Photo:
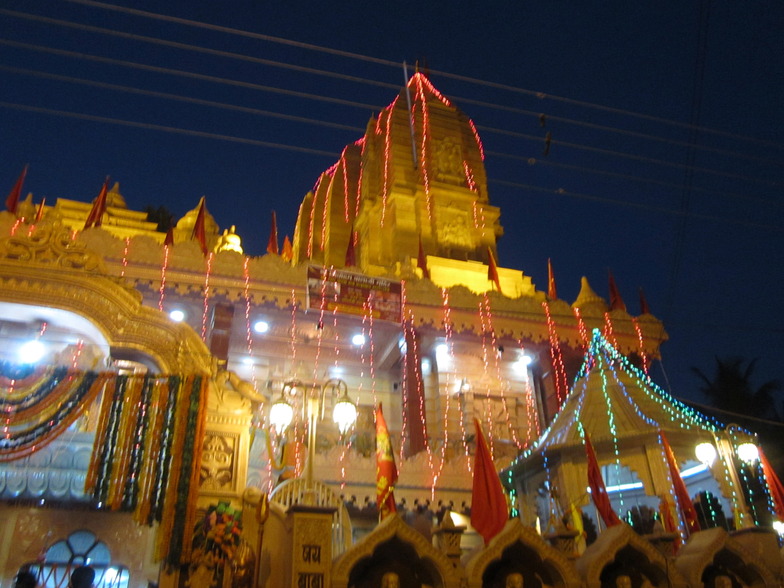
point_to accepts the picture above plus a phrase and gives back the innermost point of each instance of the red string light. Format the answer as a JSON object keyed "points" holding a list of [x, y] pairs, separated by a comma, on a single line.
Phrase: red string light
{"points": [[485, 377], [207, 274], [387, 159], [125, 256], [643, 355], [581, 328], [425, 140], [609, 333], [164, 266], [15, 226], [556, 357], [478, 140], [248, 334]]}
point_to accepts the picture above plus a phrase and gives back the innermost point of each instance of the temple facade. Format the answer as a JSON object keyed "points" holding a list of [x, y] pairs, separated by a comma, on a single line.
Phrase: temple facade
{"points": [[146, 438]]}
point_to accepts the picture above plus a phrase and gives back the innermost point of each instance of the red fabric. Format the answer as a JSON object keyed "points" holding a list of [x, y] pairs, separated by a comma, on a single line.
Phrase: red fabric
{"points": [[616, 302], [644, 308], [288, 251], [492, 270], [413, 388], [489, 511], [552, 291], [598, 490], [39, 214], [351, 254], [681, 493], [386, 471], [272, 242], [13, 196], [422, 261], [665, 510], [199, 227], [169, 240], [775, 487], [95, 218]]}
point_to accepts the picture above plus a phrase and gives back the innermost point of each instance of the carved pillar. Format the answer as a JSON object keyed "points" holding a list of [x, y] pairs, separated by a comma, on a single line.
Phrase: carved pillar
{"points": [[311, 546]]}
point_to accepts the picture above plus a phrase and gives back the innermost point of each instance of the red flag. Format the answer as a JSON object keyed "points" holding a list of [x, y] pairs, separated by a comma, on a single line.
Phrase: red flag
{"points": [[169, 240], [492, 270], [489, 511], [272, 242], [95, 218], [13, 196], [199, 228], [39, 214], [351, 254], [598, 490], [386, 471], [681, 493], [288, 250], [552, 292], [422, 260], [644, 308], [616, 302], [775, 487]]}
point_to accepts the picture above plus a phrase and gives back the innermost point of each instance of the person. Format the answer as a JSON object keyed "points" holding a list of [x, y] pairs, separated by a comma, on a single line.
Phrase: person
{"points": [[514, 580], [25, 579], [82, 577], [390, 580]]}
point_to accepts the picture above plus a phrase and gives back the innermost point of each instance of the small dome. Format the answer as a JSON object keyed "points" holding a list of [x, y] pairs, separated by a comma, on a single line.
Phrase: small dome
{"points": [[188, 221], [588, 298], [229, 241], [114, 199]]}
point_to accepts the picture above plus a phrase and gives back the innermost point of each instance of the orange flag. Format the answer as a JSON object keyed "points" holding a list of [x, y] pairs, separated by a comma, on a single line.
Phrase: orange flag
{"points": [[386, 471], [288, 250], [95, 218], [351, 253], [681, 493], [492, 270], [489, 511], [552, 292], [272, 242], [775, 487], [169, 239], [422, 260], [616, 302], [13, 196], [199, 228], [598, 489], [39, 214]]}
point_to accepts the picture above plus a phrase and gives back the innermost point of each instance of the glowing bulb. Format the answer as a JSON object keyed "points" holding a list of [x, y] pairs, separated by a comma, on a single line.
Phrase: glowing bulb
{"points": [[358, 340], [778, 526], [442, 350], [281, 415], [261, 326], [32, 351], [426, 366], [344, 414], [177, 316], [748, 452], [706, 453]]}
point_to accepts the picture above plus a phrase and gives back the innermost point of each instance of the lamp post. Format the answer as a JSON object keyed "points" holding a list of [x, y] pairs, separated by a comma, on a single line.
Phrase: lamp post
{"points": [[344, 412]]}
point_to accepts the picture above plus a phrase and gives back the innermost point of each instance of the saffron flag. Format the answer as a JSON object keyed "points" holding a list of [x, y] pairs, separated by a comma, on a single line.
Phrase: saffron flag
{"points": [[422, 260], [351, 255], [489, 511], [552, 292], [169, 240], [644, 308], [272, 242], [684, 501], [288, 250], [13, 196], [199, 227], [386, 471], [39, 214], [598, 490], [95, 218], [775, 488], [492, 270], [616, 302]]}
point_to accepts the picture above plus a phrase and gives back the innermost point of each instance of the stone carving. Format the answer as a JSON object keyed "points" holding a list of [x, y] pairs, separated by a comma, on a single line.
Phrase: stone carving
{"points": [[217, 462], [52, 245], [448, 159]]}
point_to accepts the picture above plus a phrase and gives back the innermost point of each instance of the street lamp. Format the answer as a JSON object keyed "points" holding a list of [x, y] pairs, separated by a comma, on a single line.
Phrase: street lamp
{"points": [[344, 412]]}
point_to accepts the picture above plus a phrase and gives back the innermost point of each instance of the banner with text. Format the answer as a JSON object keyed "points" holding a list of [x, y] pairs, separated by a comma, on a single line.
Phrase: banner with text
{"points": [[348, 293]]}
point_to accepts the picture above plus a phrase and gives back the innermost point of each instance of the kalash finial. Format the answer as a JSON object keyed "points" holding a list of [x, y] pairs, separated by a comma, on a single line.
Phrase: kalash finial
{"points": [[229, 241]]}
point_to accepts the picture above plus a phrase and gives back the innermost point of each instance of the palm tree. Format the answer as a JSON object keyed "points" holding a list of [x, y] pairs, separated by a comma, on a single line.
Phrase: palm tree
{"points": [[731, 389]]}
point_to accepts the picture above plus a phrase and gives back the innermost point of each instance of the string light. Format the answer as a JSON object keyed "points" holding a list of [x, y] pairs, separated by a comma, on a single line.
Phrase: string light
{"points": [[609, 334], [125, 256], [207, 274], [362, 143], [344, 169], [164, 266], [325, 210], [581, 328], [643, 355], [15, 226], [469, 176], [424, 143], [556, 357], [248, 334], [477, 139], [387, 159]]}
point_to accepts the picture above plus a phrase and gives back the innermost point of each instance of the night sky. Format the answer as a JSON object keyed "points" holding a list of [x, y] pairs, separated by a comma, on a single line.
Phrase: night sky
{"points": [[665, 162]]}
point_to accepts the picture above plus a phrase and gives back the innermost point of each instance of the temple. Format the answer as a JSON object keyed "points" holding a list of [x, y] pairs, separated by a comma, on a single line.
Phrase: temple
{"points": [[315, 416]]}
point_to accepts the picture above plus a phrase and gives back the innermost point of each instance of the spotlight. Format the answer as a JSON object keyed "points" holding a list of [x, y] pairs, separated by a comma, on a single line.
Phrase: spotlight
{"points": [[261, 326], [177, 315]]}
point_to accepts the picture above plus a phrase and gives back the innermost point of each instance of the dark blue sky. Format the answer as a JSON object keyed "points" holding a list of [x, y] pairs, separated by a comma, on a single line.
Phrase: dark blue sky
{"points": [[692, 215]]}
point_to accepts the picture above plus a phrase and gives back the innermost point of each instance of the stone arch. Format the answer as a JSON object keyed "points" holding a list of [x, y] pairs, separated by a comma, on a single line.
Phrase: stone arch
{"points": [[714, 552], [49, 269], [394, 546], [520, 549], [620, 551]]}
